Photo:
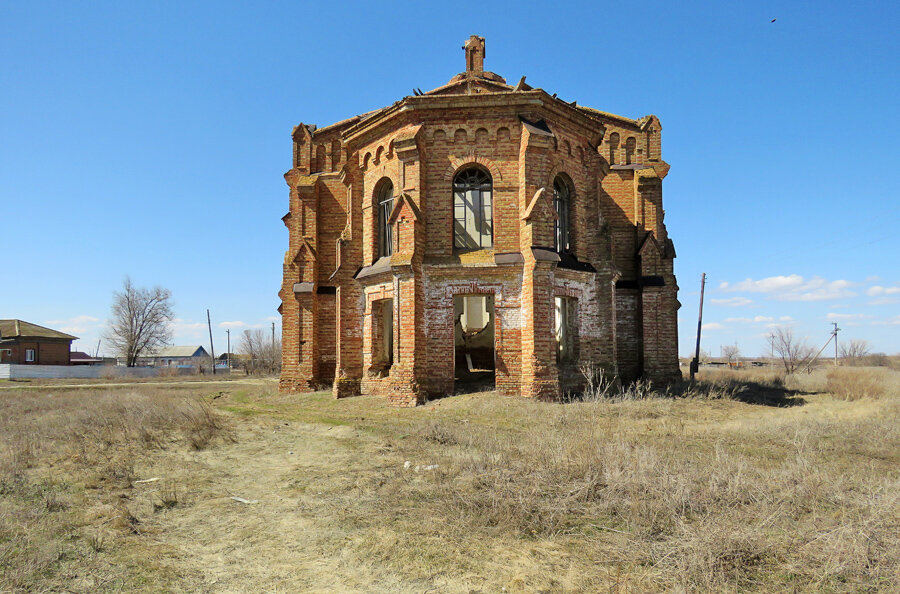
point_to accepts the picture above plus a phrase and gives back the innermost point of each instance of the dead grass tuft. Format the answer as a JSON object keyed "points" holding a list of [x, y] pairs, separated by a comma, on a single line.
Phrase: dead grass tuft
{"points": [[59, 448], [853, 383]]}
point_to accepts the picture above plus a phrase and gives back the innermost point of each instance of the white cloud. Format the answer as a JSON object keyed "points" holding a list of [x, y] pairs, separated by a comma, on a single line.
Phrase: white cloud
{"points": [[878, 291], [714, 326], [872, 279], [894, 321], [840, 316], [77, 325], [756, 320], [235, 324], [765, 285], [793, 287], [182, 329], [732, 301], [885, 301], [786, 319]]}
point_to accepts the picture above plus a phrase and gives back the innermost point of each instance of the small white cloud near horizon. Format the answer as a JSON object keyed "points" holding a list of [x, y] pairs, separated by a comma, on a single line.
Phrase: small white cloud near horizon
{"points": [[885, 301], [839, 316], [793, 287], [879, 291], [77, 325], [893, 321], [714, 326], [732, 301], [765, 285], [754, 320]]}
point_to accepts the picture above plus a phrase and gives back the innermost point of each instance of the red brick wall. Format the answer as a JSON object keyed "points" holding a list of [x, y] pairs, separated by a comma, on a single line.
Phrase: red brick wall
{"points": [[45, 353], [328, 337]]}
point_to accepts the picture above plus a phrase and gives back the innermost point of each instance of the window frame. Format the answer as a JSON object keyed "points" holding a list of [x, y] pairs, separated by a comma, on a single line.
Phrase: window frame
{"points": [[33, 353], [473, 191], [562, 226], [384, 203]]}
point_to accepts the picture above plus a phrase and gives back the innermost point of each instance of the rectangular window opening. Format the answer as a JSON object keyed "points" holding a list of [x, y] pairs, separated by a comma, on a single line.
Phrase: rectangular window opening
{"points": [[383, 334], [565, 329], [29, 355]]}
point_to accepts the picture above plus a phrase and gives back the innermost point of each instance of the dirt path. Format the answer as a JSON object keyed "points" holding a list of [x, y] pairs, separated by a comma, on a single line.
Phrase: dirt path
{"points": [[288, 540]]}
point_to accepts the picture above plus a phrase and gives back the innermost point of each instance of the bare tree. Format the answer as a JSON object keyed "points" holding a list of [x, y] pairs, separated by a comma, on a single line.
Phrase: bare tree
{"points": [[140, 320], [855, 349], [731, 353], [261, 353], [793, 352]]}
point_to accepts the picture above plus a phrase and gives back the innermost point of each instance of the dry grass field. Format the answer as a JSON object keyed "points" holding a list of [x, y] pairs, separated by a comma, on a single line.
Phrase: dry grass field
{"points": [[746, 482]]}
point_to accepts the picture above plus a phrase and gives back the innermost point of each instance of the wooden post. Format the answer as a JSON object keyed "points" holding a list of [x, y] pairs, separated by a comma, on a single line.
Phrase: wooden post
{"points": [[695, 364], [212, 350]]}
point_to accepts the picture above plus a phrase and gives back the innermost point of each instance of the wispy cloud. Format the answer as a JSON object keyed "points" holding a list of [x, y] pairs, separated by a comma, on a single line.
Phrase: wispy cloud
{"points": [[77, 325], [840, 316], [793, 287], [235, 324], [714, 326], [732, 301], [885, 301], [878, 291], [894, 321], [765, 285], [754, 320]]}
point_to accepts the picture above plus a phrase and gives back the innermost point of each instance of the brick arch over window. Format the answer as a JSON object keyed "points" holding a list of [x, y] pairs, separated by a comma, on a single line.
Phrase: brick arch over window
{"points": [[457, 164]]}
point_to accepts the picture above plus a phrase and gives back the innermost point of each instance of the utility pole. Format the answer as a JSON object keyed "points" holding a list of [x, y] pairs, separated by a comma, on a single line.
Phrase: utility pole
{"points": [[830, 338], [834, 333], [212, 350], [228, 355], [273, 346], [695, 364]]}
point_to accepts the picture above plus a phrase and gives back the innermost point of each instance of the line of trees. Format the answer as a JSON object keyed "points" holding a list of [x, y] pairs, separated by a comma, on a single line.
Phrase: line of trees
{"points": [[261, 354]]}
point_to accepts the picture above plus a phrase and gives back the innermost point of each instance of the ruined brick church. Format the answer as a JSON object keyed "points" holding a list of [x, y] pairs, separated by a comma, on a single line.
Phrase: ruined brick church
{"points": [[480, 233]]}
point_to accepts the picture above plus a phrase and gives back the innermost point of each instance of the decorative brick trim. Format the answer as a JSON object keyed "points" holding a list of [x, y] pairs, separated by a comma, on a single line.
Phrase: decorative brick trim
{"points": [[457, 163]]}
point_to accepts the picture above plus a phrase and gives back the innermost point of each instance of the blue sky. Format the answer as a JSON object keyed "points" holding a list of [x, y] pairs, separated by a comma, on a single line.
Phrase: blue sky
{"points": [[150, 139]]}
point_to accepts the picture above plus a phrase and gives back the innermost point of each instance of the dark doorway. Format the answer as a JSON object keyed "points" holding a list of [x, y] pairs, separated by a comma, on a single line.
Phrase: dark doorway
{"points": [[474, 342]]}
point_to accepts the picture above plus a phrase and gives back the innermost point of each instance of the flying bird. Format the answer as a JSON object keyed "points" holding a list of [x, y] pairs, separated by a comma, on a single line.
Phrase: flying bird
{"points": [[773, 20]]}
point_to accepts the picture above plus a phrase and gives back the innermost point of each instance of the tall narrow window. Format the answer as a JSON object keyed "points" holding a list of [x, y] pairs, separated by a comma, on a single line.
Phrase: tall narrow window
{"points": [[565, 329], [29, 355], [385, 206], [561, 205], [473, 223]]}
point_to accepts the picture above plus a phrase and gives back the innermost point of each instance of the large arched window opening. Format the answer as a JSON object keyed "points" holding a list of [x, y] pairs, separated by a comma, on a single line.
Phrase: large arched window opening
{"points": [[562, 204], [473, 221], [384, 200]]}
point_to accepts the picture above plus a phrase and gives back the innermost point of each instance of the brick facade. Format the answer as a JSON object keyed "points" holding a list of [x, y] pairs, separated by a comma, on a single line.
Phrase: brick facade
{"points": [[615, 280]]}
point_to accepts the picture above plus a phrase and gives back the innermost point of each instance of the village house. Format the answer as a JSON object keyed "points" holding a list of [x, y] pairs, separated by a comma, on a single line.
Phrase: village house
{"points": [[188, 356], [25, 343], [478, 232]]}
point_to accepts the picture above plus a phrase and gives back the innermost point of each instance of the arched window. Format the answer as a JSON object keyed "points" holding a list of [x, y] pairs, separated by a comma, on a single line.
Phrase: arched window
{"points": [[473, 222], [630, 145], [561, 204], [613, 147], [385, 203]]}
